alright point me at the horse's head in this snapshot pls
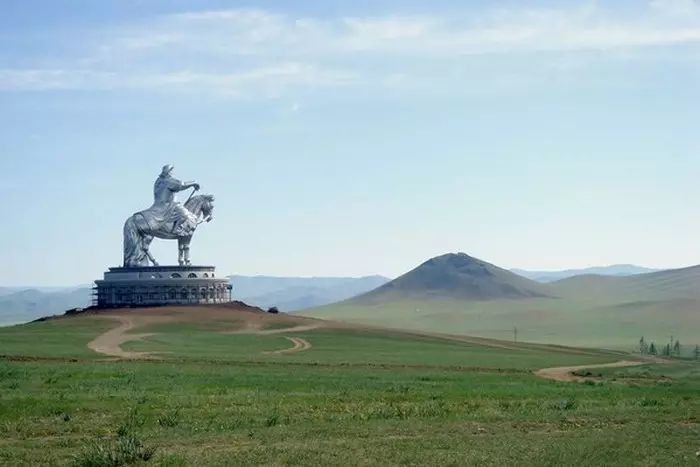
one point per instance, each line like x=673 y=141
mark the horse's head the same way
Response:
x=207 y=206
x=201 y=205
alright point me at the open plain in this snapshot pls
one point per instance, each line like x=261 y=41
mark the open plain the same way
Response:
x=231 y=385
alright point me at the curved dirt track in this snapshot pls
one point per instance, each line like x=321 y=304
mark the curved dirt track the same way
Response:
x=565 y=373
x=110 y=342
x=300 y=328
x=299 y=345
x=253 y=326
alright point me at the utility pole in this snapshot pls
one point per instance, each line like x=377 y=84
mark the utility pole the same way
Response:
x=515 y=334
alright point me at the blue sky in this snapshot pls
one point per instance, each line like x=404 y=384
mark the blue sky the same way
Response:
x=352 y=137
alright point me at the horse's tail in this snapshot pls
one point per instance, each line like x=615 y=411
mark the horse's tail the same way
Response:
x=133 y=248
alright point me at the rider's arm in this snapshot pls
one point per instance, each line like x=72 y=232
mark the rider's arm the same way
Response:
x=179 y=186
x=187 y=185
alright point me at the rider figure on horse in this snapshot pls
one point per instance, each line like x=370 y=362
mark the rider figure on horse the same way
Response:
x=166 y=213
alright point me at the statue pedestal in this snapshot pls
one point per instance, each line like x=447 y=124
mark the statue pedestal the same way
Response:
x=160 y=285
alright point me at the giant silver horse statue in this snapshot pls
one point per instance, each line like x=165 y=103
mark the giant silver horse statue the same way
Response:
x=166 y=219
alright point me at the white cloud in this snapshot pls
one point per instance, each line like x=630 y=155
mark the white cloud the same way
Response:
x=501 y=30
x=250 y=52
x=255 y=82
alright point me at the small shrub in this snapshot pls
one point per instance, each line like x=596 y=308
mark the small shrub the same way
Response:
x=50 y=380
x=563 y=404
x=471 y=406
x=504 y=405
x=235 y=424
x=66 y=417
x=123 y=430
x=434 y=409
x=133 y=420
x=127 y=450
x=272 y=420
x=170 y=419
x=646 y=402
x=7 y=373
x=400 y=389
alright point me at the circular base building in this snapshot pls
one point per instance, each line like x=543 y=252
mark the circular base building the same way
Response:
x=160 y=285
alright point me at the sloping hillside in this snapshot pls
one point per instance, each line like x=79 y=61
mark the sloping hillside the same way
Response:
x=671 y=284
x=456 y=276
x=613 y=270
x=586 y=310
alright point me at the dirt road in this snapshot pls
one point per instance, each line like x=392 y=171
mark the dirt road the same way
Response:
x=299 y=345
x=110 y=342
x=565 y=373
x=255 y=326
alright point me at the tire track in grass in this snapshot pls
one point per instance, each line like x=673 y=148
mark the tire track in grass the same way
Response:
x=299 y=346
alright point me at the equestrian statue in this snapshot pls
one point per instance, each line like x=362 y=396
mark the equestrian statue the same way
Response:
x=166 y=219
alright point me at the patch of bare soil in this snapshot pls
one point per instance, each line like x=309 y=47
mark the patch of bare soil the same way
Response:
x=566 y=373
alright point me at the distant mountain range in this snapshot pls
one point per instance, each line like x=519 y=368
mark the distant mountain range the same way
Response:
x=454 y=276
x=614 y=270
x=19 y=306
x=460 y=294
x=296 y=293
x=288 y=294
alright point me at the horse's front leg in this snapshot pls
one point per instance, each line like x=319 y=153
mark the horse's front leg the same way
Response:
x=180 y=252
x=147 y=243
x=186 y=250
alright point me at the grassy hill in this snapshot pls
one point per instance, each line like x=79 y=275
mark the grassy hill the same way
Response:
x=587 y=310
x=455 y=276
x=230 y=386
x=612 y=270
x=670 y=284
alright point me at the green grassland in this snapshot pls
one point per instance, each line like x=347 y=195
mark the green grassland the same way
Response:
x=591 y=321
x=355 y=347
x=356 y=397
x=53 y=338
x=222 y=415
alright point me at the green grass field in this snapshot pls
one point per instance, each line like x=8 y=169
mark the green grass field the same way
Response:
x=351 y=347
x=589 y=322
x=354 y=397
x=55 y=338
